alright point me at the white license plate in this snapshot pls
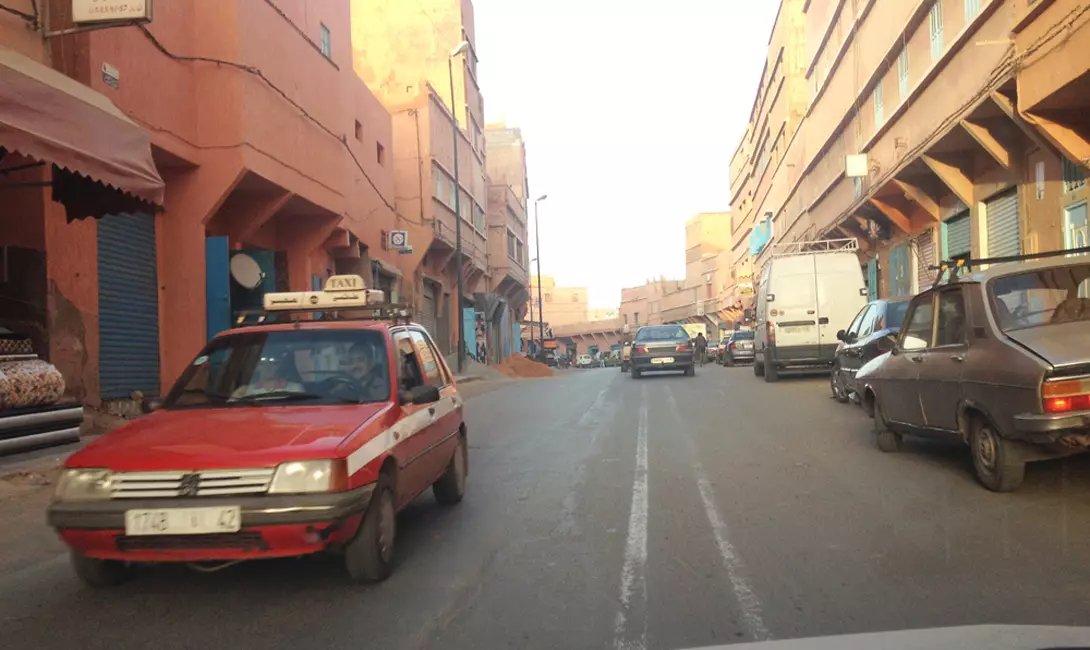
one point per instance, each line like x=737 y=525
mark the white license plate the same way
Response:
x=795 y=329
x=662 y=360
x=183 y=521
x=745 y=346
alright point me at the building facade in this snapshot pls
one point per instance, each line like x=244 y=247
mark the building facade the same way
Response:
x=561 y=306
x=935 y=129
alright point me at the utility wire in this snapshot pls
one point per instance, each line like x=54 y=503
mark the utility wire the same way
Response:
x=30 y=18
x=302 y=111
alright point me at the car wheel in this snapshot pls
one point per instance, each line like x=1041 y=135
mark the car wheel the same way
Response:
x=369 y=557
x=888 y=441
x=758 y=368
x=690 y=371
x=451 y=486
x=99 y=573
x=771 y=372
x=999 y=463
x=836 y=383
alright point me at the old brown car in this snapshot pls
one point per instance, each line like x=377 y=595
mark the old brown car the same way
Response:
x=999 y=359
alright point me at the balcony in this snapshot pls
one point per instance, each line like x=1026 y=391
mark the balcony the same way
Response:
x=509 y=250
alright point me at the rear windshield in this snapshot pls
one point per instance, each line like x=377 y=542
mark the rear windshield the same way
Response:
x=662 y=333
x=742 y=336
x=1044 y=297
x=895 y=313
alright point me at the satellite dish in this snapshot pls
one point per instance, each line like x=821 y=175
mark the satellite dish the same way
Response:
x=246 y=271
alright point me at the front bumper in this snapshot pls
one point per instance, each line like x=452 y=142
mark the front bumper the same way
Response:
x=271 y=526
x=1067 y=429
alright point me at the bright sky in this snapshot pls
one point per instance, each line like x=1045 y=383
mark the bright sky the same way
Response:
x=631 y=110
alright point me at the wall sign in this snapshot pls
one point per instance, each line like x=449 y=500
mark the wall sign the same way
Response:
x=108 y=11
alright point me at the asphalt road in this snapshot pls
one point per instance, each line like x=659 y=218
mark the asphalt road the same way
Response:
x=608 y=512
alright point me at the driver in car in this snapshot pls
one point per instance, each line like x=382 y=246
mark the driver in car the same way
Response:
x=365 y=364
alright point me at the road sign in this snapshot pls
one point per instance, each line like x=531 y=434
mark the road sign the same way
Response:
x=399 y=239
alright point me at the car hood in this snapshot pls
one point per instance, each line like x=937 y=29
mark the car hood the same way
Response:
x=1065 y=344
x=977 y=637
x=225 y=438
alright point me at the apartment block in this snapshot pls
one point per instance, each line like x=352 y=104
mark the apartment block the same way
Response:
x=561 y=305
x=934 y=129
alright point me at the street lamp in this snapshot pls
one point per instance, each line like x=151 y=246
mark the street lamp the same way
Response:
x=537 y=245
x=462 y=47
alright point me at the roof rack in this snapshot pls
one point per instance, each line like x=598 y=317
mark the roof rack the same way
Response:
x=397 y=313
x=960 y=263
x=816 y=247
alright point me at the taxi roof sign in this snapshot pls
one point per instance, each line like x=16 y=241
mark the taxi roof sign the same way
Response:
x=341 y=292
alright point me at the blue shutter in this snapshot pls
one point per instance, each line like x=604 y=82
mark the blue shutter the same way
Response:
x=872 y=279
x=217 y=285
x=899 y=269
x=469 y=330
x=128 y=306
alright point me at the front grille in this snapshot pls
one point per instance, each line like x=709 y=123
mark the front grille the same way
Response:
x=206 y=483
x=247 y=541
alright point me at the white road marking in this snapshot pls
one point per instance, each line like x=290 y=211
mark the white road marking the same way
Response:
x=629 y=634
x=732 y=562
x=588 y=418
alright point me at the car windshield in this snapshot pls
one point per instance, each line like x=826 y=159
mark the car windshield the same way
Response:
x=742 y=336
x=280 y=368
x=662 y=333
x=1044 y=297
x=895 y=313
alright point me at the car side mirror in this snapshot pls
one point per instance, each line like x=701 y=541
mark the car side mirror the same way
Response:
x=887 y=344
x=840 y=335
x=151 y=404
x=421 y=395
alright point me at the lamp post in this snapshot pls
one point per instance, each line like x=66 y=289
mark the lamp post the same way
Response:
x=537 y=245
x=531 y=305
x=462 y=47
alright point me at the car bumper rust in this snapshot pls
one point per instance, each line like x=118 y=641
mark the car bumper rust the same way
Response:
x=1065 y=429
x=279 y=526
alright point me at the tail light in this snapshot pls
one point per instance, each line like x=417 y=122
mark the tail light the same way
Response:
x=682 y=348
x=1067 y=395
x=771 y=329
x=641 y=350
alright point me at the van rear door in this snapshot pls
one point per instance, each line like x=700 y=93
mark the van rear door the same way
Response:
x=792 y=307
x=841 y=294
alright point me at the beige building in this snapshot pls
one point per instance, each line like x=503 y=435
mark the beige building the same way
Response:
x=643 y=305
x=562 y=305
x=706 y=236
x=961 y=123
x=508 y=246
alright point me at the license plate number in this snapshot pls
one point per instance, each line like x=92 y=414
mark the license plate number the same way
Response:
x=745 y=346
x=662 y=360
x=795 y=329
x=183 y=521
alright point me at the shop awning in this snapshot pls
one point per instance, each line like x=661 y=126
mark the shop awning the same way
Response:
x=101 y=159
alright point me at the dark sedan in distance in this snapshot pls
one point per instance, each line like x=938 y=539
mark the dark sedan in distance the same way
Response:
x=662 y=347
x=869 y=335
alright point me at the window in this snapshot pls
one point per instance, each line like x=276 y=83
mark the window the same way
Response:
x=359 y=131
x=521 y=253
x=1040 y=169
x=917 y=334
x=429 y=361
x=636 y=318
x=902 y=73
x=478 y=217
x=879 y=108
x=548 y=297
x=936 y=30
x=325 y=42
x=409 y=373
x=857 y=187
x=662 y=333
x=858 y=322
x=866 y=328
x=1041 y=298
x=1074 y=178
x=380 y=153
x=972 y=8
x=952 y=325
x=510 y=244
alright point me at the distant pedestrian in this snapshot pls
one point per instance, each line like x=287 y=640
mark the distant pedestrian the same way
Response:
x=701 y=345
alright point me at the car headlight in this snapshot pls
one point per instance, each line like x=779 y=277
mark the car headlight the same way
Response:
x=303 y=476
x=84 y=484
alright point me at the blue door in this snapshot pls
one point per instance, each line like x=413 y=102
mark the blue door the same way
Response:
x=900 y=275
x=217 y=285
x=872 y=279
x=469 y=329
x=128 y=306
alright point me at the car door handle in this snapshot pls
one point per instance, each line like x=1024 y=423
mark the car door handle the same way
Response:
x=958 y=358
x=916 y=359
x=431 y=409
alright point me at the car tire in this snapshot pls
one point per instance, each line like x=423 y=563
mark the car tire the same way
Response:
x=888 y=441
x=97 y=573
x=836 y=384
x=758 y=368
x=369 y=557
x=771 y=372
x=690 y=371
x=999 y=463
x=451 y=486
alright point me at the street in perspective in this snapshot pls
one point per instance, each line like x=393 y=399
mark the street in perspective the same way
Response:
x=301 y=345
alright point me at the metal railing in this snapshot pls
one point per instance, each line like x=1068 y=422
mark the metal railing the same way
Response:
x=817 y=246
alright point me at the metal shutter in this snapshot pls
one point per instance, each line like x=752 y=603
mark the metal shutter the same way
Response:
x=1003 y=232
x=128 y=306
x=899 y=272
x=925 y=258
x=957 y=235
x=427 y=316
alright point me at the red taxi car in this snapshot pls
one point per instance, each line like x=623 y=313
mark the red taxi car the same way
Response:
x=278 y=440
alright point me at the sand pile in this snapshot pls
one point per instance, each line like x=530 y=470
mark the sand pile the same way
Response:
x=520 y=367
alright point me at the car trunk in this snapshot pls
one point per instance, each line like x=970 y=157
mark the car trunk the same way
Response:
x=1064 y=344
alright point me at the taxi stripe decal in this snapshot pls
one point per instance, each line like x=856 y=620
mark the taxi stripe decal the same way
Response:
x=385 y=441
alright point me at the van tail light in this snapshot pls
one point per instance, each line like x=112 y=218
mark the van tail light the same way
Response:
x=771 y=329
x=1067 y=395
x=682 y=348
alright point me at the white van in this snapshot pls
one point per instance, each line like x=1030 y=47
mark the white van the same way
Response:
x=807 y=291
